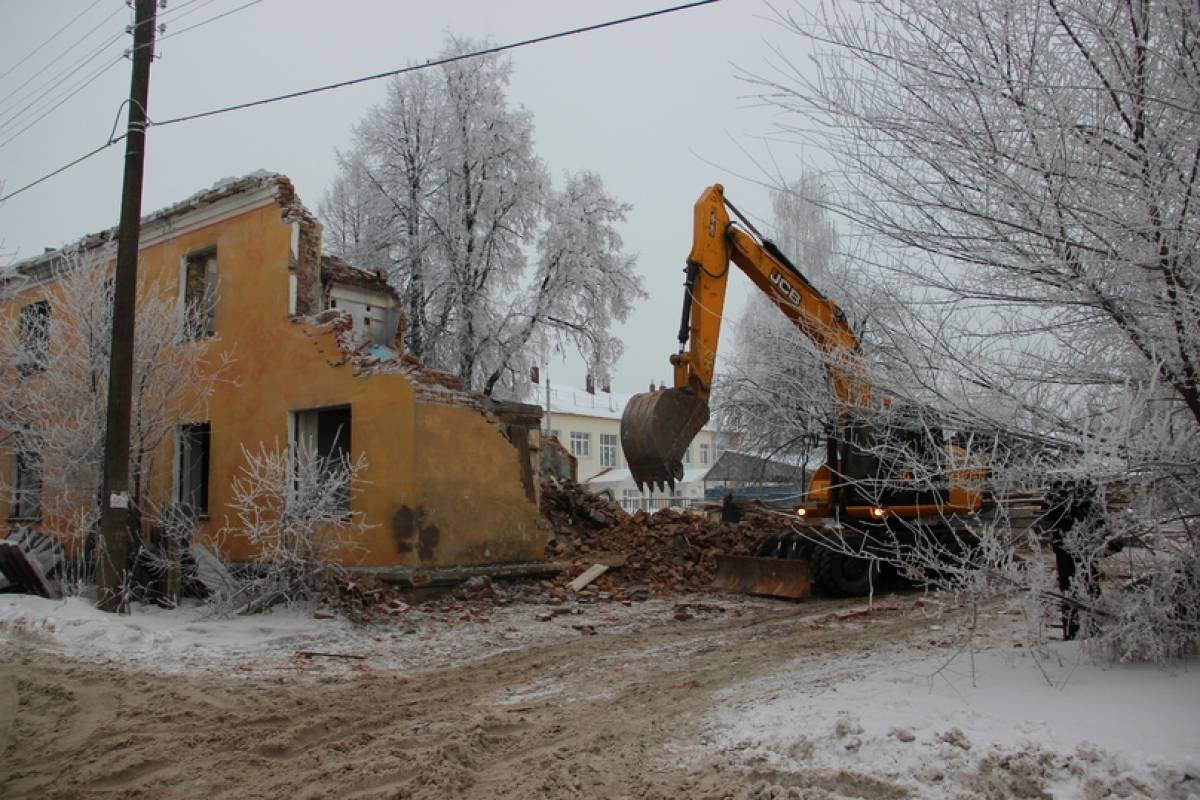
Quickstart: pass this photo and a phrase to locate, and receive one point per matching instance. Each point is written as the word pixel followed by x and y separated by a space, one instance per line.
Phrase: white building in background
pixel 588 423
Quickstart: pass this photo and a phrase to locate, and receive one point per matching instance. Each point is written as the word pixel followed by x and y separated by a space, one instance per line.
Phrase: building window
pixel 322 440
pixel 27 486
pixel 704 455
pixel 608 449
pixel 581 444
pixel 195 443
pixel 631 499
pixel 200 293
pixel 687 456
pixel 34 338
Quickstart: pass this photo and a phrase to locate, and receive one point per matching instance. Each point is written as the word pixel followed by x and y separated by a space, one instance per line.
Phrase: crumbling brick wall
pixel 306 262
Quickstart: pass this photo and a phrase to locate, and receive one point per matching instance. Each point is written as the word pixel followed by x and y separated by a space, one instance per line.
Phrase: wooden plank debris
pixel 589 575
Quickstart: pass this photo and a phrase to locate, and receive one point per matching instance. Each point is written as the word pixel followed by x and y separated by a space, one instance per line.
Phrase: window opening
pixel 324 434
pixel 34 337
pixel 27 486
pixel 200 293
pixel 195 447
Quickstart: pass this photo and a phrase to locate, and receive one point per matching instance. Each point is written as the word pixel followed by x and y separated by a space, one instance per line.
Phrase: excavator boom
pixel 658 426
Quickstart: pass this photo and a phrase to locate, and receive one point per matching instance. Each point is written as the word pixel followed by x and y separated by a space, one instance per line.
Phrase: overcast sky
pixel 654 107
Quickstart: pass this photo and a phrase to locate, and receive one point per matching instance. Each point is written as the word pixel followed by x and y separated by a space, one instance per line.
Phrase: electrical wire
pixel 210 19
pixel 71 93
pixel 61 55
pixel 64 167
pixel 129 30
pixel 364 79
pixel 53 36
pixel 173 14
pixel 441 62
pixel 18 117
pixel 61 79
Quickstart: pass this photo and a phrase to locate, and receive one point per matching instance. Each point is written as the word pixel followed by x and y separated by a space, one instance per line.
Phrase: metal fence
pixel 652 504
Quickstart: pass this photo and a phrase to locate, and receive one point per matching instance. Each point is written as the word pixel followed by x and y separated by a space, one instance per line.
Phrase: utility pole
pixel 112 553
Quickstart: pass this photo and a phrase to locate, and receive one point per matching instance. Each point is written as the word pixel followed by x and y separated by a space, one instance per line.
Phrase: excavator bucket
pixel 656 429
pixel 773 577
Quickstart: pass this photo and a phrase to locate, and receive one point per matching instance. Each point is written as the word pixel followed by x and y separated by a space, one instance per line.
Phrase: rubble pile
pixel 666 552
pixel 570 507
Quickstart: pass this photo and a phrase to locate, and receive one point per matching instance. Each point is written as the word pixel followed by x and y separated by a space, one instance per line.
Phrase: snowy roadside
pixel 1003 721
pixel 189 639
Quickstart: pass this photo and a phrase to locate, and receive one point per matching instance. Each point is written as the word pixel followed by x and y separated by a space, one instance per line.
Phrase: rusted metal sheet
pixel 772 577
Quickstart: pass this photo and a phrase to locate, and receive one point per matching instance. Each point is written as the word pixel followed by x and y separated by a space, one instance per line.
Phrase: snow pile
pixel 1004 722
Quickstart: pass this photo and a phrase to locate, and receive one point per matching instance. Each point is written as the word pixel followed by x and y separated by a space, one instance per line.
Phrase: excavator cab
pixel 898 463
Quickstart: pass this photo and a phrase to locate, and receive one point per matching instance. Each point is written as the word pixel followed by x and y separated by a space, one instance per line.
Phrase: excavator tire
pixel 842 575
pixel 799 548
pixel 770 547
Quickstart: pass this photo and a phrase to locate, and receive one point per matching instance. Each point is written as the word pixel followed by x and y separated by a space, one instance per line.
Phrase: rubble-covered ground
pixel 644 684
pixel 666 552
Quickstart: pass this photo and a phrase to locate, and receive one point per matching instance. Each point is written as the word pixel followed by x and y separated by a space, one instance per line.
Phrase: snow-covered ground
pixel 1001 720
pixel 900 716
pixel 191 638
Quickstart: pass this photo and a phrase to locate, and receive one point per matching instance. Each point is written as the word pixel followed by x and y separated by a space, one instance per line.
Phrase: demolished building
pixel 450 481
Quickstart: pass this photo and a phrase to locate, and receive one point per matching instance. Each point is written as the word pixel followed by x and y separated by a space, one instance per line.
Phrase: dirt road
pixel 608 715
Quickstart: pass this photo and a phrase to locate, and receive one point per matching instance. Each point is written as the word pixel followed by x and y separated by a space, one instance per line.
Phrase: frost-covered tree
pixel 772 389
pixel 442 188
pixel 54 387
pixel 1030 170
pixel 293 505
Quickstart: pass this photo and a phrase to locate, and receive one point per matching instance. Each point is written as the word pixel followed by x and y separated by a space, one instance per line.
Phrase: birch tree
pixel 1029 170
pixel 442 188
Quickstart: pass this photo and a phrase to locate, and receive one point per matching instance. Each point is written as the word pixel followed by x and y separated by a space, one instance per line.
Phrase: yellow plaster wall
pixel 471 507
pixel 442 468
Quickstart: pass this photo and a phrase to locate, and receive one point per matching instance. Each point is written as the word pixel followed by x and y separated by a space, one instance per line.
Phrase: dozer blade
pixel 656 429
pixel 773 577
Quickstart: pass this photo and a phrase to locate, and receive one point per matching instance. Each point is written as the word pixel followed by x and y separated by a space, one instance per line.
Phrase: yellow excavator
pixel 888 481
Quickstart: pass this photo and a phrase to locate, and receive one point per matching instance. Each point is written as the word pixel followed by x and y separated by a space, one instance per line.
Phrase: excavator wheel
pixel 842 575
pixel 797 548
pixel 770 547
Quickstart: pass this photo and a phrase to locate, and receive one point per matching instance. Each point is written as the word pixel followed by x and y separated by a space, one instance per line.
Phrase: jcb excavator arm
pixel 658 426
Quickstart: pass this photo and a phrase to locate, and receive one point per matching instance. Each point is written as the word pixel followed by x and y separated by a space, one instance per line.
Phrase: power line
pixel 366 78
pixel 441 62
pixel 71 93
pixel 63 168
pixel 165 15
pixel 57 80
pixel 17 118
pixel 53 36
pixel 61 55
pixel 210 19
pixel 174 14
